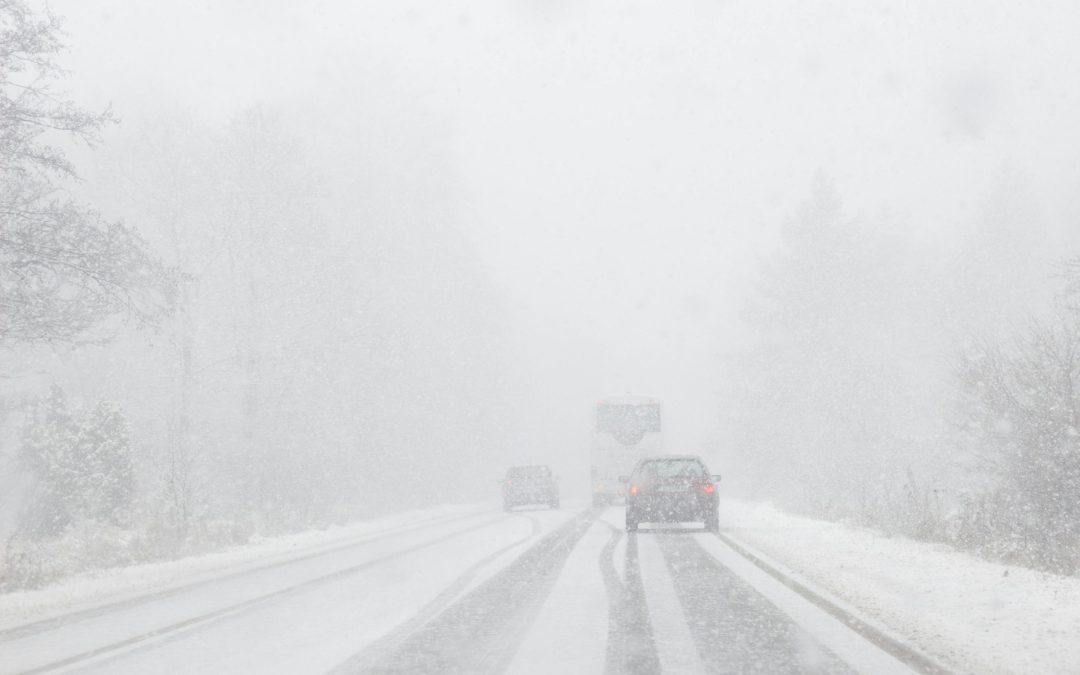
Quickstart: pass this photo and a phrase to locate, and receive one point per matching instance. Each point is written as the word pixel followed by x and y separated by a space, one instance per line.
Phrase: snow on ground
pixel 670 629
pixel 545 519
pixel 571 631
pixel 100 587
pixel 410 565
pixel 972 615
pixel 315 630
pixel 818 627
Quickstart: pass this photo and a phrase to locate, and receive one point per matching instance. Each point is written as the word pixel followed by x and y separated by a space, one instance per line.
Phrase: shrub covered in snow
pixel 74 515
pixel 1022 416
pixel 83 545
pixel 82 464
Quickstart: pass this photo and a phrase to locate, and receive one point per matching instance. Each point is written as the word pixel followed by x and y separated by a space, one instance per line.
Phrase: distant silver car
pixel 529 485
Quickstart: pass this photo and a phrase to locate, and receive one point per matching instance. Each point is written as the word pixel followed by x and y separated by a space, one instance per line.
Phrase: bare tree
pixel 1072 283
pixel 62 268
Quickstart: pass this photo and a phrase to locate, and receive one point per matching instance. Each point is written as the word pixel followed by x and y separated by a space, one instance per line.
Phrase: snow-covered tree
pixel 81 463
pixel 63 269
pixel 102 453
pixel 831 412
pixel 48 439
pixel 1021 417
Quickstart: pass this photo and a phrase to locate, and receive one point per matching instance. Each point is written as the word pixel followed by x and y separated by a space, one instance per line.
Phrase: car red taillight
pixel 709 488
pixel 634 489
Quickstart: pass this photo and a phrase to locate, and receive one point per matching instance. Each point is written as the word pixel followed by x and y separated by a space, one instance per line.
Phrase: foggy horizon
pixel 321 264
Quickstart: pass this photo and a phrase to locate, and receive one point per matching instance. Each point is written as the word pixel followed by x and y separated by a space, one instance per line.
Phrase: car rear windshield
pixel 666 468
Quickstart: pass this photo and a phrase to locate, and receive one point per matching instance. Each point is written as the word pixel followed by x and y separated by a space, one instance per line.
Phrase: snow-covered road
pixel 475 591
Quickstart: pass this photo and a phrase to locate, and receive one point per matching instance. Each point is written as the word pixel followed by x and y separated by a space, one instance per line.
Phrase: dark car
pixel 671 489
pixel 529 485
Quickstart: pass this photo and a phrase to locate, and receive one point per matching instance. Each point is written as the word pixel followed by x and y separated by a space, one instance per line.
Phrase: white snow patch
pixel 971 614
pixel 308 631
pixel 104 587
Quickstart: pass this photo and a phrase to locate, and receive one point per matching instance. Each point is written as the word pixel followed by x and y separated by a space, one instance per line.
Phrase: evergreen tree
pixel 102 453
pixel 48 439
pixel 82 464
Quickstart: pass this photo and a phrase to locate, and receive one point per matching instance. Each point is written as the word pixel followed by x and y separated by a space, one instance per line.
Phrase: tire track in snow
pixel 631 649
pixel 115 649
pixel 229 573
pixel 480 632
pixel 904 653
pixel 735 629
pixel 382 648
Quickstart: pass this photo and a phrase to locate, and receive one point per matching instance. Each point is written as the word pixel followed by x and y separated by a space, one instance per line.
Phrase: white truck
pixel 625 429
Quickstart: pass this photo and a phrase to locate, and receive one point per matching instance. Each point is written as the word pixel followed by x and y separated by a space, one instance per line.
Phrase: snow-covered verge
pixel 969 614
pixel 108 586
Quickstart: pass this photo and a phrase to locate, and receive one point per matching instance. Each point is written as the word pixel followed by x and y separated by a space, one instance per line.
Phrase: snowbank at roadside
pixel 104 587
pixel 969 614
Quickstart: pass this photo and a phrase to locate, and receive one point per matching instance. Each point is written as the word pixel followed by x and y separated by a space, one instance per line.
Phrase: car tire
pixel 631 521
pixel 712 521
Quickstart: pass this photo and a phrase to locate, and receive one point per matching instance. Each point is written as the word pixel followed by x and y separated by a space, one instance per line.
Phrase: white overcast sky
pixel 624 164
